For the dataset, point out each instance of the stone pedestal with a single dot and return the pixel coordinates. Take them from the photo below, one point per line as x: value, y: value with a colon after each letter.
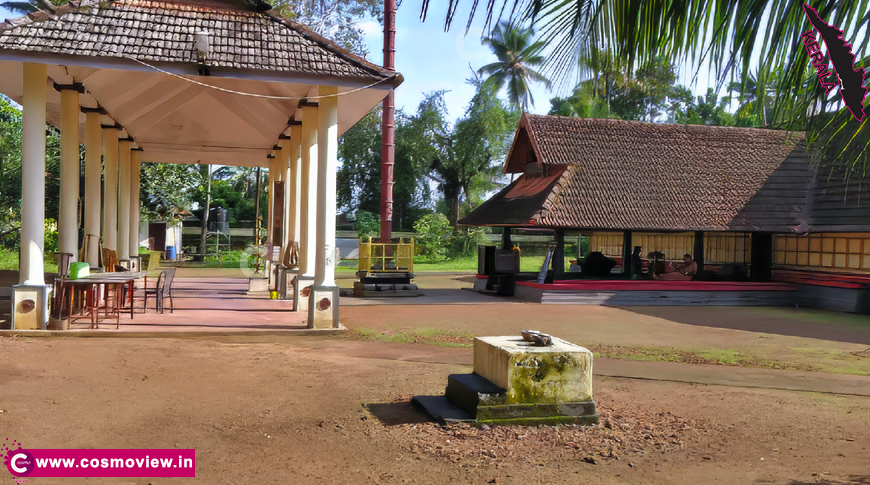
x: 323, y: 307
x: 558, y: 373
x: 302, y: 292
x: 515, y: 382
x: 30, y: 307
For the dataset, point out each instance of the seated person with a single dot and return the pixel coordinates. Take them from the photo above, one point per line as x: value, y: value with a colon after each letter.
x: 636, y: 262
x: 684, y: 272
x: 575, y: 266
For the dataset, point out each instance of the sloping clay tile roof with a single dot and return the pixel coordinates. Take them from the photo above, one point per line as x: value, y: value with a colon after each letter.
x: 614, y: 174
x: 164, y: 31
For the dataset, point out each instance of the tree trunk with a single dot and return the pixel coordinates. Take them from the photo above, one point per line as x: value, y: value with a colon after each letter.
x: 451, y: 196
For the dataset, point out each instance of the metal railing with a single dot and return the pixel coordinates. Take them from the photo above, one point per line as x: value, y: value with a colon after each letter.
x: 395, y: 257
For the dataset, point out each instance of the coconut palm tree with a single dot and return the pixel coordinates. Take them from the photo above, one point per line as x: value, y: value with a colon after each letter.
x: 733, y: 36
x: 518, y: 57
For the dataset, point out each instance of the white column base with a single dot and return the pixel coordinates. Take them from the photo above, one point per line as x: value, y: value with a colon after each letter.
x: 30, y: 307
x: 135, y: 263
x: 272, y: 272
x: 323, y: 307
x: 285, y: 284
x: 301, y: 291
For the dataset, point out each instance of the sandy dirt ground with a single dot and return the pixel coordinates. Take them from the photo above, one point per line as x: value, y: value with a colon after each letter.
x: 269, y: 409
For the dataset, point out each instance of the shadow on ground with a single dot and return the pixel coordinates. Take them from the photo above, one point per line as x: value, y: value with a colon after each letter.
x: 794, y: 322
x: 853, y: 480
x: 395, y: 413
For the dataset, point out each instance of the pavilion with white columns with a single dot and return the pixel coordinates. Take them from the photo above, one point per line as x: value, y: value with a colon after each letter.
x: 153, y: 81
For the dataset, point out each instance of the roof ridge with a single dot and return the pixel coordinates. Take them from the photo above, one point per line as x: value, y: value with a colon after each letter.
x: 650, y: 123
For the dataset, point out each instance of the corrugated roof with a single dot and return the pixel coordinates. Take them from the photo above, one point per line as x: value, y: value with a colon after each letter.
x: 164, y: 31
x: 647, y: 176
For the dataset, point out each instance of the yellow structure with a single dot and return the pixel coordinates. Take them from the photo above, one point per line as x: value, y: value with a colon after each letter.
x: 392, y: 257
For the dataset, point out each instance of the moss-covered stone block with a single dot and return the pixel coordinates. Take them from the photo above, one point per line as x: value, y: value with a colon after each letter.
x: 560, y: 373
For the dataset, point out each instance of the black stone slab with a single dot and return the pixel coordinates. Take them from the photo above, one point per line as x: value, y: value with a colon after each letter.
x: 468, y: 391
x: 441, y: 409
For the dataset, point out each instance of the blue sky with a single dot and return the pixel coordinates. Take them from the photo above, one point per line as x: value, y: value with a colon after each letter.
x: 431, y: 59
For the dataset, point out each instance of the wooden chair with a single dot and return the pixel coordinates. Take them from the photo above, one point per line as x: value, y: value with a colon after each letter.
x: 110, y: 260
x: 62, y: 297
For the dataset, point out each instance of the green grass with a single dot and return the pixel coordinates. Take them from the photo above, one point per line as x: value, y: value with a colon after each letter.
x: 528, y: 264
x: 430, y: 336
x: 9, y: 261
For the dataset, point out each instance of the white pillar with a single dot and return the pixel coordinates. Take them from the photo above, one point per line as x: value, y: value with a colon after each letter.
x: 271, y: 185
x: 33, y: 175
x: 110, y: 188
x: 70, y: 173
x: 135, y: 163
x: 327, y: 165
x: 307, y: 206
x: 124, y: 199
x: 308, y: 213
x: 30, y: 296
x: 292, y: 184
x: 323, y: 303
x: 93, y: 170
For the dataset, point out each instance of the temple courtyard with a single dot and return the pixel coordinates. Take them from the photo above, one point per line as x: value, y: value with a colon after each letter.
x: 686, y: 395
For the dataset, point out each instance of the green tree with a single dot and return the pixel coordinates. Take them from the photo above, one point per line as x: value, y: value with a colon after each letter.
x: 358, y: 183
x: 709, y: 109
x: 733, y: 35
x: 467, y: 156
x: 433, y: 235
x: 518, y: 58
x: 10, y: 172
x: 612, y: 91
x: 337, y: 20
x: 167, y: 190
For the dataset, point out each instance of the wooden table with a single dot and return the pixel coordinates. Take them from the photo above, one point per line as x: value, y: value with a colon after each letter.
x: 98, y: 284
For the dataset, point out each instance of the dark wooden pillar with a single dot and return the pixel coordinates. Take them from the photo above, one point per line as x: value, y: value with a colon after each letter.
x: 761, y: 257
x: 559, y: 256
x: 699, y: 250
x: 626, y: 253
x: 506, y: 239
x: 277, y: 214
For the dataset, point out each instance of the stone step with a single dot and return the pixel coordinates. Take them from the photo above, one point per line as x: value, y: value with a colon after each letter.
x: 468, y: 391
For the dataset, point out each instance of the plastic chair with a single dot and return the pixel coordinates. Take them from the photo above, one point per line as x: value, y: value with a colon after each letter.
x: 154, y: 260
x: 157, y: 291
x: 167, y: 290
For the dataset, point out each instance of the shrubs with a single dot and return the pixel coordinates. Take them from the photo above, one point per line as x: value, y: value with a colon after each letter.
x: 433, y: 232
x: 368, y: 225
x: 437, y: 240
